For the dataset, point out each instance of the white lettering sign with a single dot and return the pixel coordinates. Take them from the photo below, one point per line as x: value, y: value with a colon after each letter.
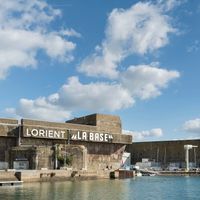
x: 92, y: 136
x: 44, y: 133
x: 62, y: 134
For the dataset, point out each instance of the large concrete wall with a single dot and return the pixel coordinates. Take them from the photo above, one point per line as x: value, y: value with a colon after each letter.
x: 93, y: 154
x: 103, y: 156
x: 6, y: 144
x: 8, y: 128
x: 100, y: 156
x: 109, y: 123
x: 8, y: 137
x: 86, y: 120
x: 113, y: 127
x: 164, y: 152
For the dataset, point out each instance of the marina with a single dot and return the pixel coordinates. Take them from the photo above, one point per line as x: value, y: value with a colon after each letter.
x: 99, y: 100
x: 88, y: 147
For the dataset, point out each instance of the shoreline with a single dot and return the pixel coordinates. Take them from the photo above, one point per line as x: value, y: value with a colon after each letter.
x: 51, y: 175
x: 179, y: 173
x: 28, y: 176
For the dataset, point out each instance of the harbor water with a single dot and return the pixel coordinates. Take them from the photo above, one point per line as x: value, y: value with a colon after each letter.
x: 147, y: 188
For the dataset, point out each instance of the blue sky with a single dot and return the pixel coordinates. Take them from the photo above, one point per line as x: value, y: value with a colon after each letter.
x: 61, y: 59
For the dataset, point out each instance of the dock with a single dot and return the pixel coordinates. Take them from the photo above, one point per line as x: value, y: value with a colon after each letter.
x: 179, y: 173
x: 122, y: 174
x: 11, y: 183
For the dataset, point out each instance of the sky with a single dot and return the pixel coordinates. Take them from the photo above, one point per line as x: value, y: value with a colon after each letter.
x: 61, y: 59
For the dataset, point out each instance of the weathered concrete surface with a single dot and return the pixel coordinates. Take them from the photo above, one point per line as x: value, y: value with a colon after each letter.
x: 122, y: 174
x: 9, y: 130
x: 164, y: 152
x: 8, y: 127
x: 40, y: 152
x: 55, y: 175
x: 22, y: 152
x: 36, y: 123
x: 85, y: 120
x: 8, y: 121
x: 109, y: 123
x: 8, y: 176
x: 104, y: 123
x: 90, y: 156
x: 117, y: 137
x: 6, y: 143
x: 103, y: 156
x: 77, y: 155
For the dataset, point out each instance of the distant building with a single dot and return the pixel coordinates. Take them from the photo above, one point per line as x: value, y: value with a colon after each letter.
x: 168, y: 154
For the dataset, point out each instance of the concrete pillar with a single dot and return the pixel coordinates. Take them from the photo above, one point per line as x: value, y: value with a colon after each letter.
x: 85, y: 159
x: 187, y: 159
x: 7, y: 158
x: 187, y: 147
x: 36, y: 161
x: 55, y: 157
x: 19, y: 136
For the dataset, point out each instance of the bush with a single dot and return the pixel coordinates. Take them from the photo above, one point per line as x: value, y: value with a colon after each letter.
x: 61, y: 160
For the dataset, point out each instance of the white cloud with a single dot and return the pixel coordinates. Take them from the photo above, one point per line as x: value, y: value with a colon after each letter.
x: 74, y: 96
x: 24, y: 30
x: 146, y: 82
x: 131, y: 31
x: 192, y: 126
x: 147, y: 134
x: 141, y: 82
x: 26, y: 14
x: 70, y: 32
x: 168, y: 5
x: 42, y: 108
x: 97, y: 96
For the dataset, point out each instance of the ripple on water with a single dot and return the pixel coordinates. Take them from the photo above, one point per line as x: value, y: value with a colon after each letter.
x: 148, y: 188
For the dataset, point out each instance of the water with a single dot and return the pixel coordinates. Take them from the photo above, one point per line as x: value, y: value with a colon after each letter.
x: 139, y: 188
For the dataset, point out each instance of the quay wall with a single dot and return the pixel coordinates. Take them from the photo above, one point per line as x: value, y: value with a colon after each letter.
x: 8, y: 176
x: 49, y: 175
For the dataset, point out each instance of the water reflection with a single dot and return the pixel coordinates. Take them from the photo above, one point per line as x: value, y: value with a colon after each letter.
x: 148, y: 188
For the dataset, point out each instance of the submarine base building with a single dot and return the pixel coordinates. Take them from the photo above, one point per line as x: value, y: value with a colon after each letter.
x: 93, y: 142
